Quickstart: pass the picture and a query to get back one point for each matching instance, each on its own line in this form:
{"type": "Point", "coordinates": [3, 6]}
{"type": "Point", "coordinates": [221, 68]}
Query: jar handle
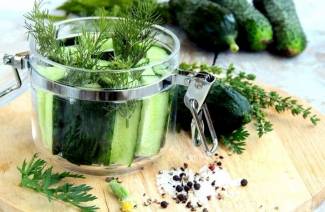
{"type": "Point", "coordinates": [199, 85]}
{"type": "Point", "coordinates": [17, 62]}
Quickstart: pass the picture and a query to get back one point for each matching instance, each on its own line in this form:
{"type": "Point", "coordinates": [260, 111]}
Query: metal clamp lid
{"type": "Point", "coordinates": [18, 61]}
{"type": "Point", "coordinates": [199, 85]}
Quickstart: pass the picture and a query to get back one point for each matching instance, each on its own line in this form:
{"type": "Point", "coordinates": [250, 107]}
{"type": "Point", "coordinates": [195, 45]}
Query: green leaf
{"type": "Point", "coordinates": [37, 176]}
{"type": "Point", "coordinates": [236, 141]}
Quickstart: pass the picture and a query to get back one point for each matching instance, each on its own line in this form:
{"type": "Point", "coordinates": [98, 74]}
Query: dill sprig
{"type": "Point", "coordinates": [40, 25]}
{"type": "Point", "coordinates": [36, 175]}
{"type": "Point", "coordinates": [133, 35]}
{"type": "Point", "coordinates": [259, 99]}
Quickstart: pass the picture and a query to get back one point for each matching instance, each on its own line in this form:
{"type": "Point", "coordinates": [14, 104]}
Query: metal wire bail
{"type": "Point", "coordinates": [199, 85]}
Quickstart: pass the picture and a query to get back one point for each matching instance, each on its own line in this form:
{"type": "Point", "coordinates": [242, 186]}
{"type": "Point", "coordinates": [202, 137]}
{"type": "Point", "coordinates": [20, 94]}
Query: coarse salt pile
{"type": "Point", "coordinates": [196, 189]}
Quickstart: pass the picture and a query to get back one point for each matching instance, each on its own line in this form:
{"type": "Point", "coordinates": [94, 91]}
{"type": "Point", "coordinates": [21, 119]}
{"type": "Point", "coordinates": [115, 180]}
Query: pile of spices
{"type": "Point", "coordinates": [195, 189]}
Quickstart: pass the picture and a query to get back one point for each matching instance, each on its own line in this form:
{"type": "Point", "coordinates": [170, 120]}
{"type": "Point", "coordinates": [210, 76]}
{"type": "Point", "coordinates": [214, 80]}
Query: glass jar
{"type": "Point", "coordinates": [110, 122]}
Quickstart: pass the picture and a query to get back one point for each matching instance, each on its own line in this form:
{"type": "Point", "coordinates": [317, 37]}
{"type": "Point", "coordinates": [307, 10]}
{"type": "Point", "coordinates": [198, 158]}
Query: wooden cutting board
{"type": "Point", "coordinates": [285, 169]}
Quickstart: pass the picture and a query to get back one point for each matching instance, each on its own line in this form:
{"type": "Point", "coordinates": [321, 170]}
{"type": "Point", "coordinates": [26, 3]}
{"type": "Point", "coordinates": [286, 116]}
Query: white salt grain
{"type": "Point", "coordinates": [208, 180]}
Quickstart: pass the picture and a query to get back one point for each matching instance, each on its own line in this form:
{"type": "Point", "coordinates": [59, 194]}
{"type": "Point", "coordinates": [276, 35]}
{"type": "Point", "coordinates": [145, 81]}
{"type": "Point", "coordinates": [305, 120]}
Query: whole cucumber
{"type": "Point", "coordinates": [290, 39]}
{"type": "Point", "coordinates": [208, 24]}
{"type": "Point", "coordinates": [255, 31]}
{"type": "Point", "coordinates": [229, 110]}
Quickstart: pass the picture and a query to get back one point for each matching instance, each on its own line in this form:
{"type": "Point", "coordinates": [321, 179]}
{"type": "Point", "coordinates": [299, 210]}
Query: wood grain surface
{"type": "Point", "coordinates": [285, 169]}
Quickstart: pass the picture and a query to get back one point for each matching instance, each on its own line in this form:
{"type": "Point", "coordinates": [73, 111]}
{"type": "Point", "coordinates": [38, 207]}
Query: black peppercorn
{"type": "Point", "coordinates": [243, 182]}
{"type": "Point", "coordinates": [176, 178]}
{"type": "Point", "coordinates": [182, 175]}
{"type": "Point", "coordinates": [205, 210]}
{"type": "Point", "coordinates": [109, 179]}
{"type": "Point", "coordinates": [186, 188]}
{"type": "Point", "coordinates": [189, 184]}
{"type": "Point", "coordinates": [197, 186]}
{"type": "Point", "coordinates": [164, 204]}
{"type": "Point", "coordinates": [189, 205]}
{"type": "Point", "coordinates": [179, 188]}
{"type": "Point", "coordinates": [181, 197]}
{"type": "Point", "coordinates": [219, 163]}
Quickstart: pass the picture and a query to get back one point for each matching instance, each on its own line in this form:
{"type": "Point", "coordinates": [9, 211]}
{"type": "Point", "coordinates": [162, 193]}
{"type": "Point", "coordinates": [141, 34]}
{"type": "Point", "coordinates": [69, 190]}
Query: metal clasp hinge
{"type": "Point", "coordinates": [199, 85]}
{"type": "Point", "coordinates": [18, 62]}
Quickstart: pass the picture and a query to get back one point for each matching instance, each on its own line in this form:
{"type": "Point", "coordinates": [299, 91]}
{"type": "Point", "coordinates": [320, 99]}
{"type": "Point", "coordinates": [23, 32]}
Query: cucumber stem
{"type": "Point", "coordinates": [230, 40]}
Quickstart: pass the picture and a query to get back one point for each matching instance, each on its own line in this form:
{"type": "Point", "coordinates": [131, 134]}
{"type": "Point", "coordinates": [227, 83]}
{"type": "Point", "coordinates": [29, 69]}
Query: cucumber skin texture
{"type": "Point", "coordinates": [289, 37]}
{"type": "Point", "coordinates": [124, 138]}
{"type": "Point", "coordinates": [44, 101]}
{"type": "Point", "coordinates": [154, 113]}
{"type": "Point", "coordinates": [44, 125]}
{"type": "Point", "coordinates": [228, 109]}
{"type": "Point", "coordinates": [208, 24]}
{"type": "Point", "coordinates": [80, 129]}
{"type": "Point", "coordinates": [255, 31]}
{"type": "Point", "coordinates": [153, 124]}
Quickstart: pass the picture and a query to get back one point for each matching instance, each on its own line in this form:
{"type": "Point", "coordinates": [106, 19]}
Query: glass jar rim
{"type": "Point", "coordinates": [174, 52]}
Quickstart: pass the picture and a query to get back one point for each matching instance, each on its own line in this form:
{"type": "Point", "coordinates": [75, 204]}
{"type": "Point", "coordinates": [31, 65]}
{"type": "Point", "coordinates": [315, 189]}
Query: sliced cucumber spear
{"type": "Point", "coordinates": [153, 123]}
{"type": "Point", "coordinates": [154, 114]}
{"type": "Point", "coordinates": [124, 138]}
{"type": "Point", "coordinates": [146, 128]}
{"type": "Point", "coordinates": [45, 105]}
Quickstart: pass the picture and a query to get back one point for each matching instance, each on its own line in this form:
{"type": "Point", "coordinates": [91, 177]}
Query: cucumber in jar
{"type": "Point", "coordinates": [143, 133]}
{"type": "Point", "coordinates": [86, 132]}
{"type": "Point", "coordinates": [155, 111]}
{"type": "Point", "coordinates": [124, 138]}
{"type": "Point", "coordinates": [80, 129]}
{"type": "Point", "coordinates": [44, 101]}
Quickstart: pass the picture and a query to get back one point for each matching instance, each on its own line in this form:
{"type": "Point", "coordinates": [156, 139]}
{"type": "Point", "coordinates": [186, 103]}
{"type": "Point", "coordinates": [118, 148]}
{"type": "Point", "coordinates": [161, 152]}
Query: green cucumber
{"type": "Point", "coordinates": [124, 138]}
{"type": "Point", "coordinates": [151, 75]}
{"type": "Point", "coordinates": [289, 36]}
{"type": "Point", "coordinates": [51, 73]}
{"type": "Point", "coordinates": [107, 45]}
{"type": "Point", "coordinates": [45, 105]}
{"type": "Point", "coordinates": [156, 54]}
{"type": "Point", "coordinates": [154, 116]}
{"type": "Point", "coordinates": [208, 24]}
{"type": "Point", "coordinates": [255, 30]}
{"type": "Point", "coordinates": [41, 99]}
{"type": "Point", "coordinates": [154, 112]}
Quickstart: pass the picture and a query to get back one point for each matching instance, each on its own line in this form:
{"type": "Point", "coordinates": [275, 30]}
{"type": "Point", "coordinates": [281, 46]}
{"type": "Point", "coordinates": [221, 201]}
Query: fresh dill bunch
{"type": "Point", "coordinates": [259, 99]}
{"type": "Point", "coordinates": [133, 35]}
{"type": "Point", "coordinates": [40, 25]}
{"type": "Point", "coordinates": [36, 175]}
